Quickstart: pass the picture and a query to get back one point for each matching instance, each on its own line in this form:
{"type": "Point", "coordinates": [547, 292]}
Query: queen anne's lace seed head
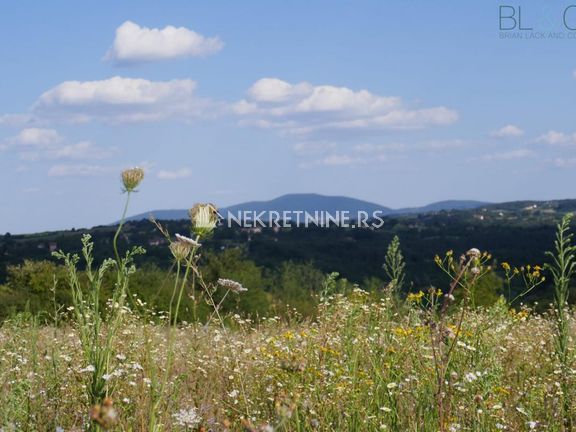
{"type": "Point", "coordinates": [187, 240]}
{"type": "Point", "coordinates": [474, 253]}
{"type": "Point", "coordinates": [131, 178]}
{"type": "Point", "coordinates": [187, 418]}
{"type": "Point", "coordinates": [231, 285]}
{"type": "Point", "coordinates": [180, 250]}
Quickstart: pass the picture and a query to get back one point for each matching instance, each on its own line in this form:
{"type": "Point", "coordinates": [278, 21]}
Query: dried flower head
{"type": "Point", "coordinates": [232, 285]}
{"type": "Point", "coordinates": [474, 253]}
{"type": "Point", "coordinates": [187, 240]}
{"type": "Point", "coordinates": [131, 178]}
{"type": "Point", "coordinates": [180, 250]}
{"type": "Point", "coordinates": [105, 415]}
{"type": "Point", "coordinates": [204, 218]}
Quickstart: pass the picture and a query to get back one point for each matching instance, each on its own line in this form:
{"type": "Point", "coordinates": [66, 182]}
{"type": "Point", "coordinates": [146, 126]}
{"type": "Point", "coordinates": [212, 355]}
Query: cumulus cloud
{"type": "Point", "coordinates": [555, 138]}
{"type": "Point", "coordinates": [508, 131]}
{"type": "Point", "coordinates": [175, 174]}
{"type": "Point", "coordinates": [119, 99]}
{"type": "Point", "coordinates": [303, 108]}
{"type": "Point", "coordinates": [135, 44]}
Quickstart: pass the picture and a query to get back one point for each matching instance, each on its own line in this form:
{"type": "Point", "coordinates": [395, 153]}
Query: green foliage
{"type": "Point", "coordinates": [562, 267]}
{"type": "Point", "coordinates": [487, 290]}
{"type": "Point", "coordinates": [29, 287]}
{"type": "Point", "coordinates": [87, 297]}
{"type": "Point", "coordinates": [394, 265]}
{"type": "Point", "coordinates": [233, 264]}
{"type": "Point", "coordinates": [298, 286]}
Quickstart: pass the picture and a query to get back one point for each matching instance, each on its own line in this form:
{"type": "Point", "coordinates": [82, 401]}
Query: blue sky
{"type": "Point", "coordinates": [397, 102]}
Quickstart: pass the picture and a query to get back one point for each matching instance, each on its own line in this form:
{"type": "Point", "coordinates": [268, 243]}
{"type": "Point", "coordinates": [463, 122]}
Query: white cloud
{"type": "Point", "coordinates": [303, 109]}
{"type": "Point", "coordinates": [83, 150]}
{"type": "Point", "coordinates": [37, 137]}
{"type": "Point", "coordinates": [508, 131]}
{"type": "Point", "coordinates": [555, 138]}
{"type": "Point", "coordinates": [119, 99]}
{"type": "Point", "coordinates": [33, 144]}
{"type": "Point", "coordinates": [275, 90]}
{"type": "Point", "coordinates": [79, 170]}
{"type": "Point", "coordinates": [174, 175]}
{"type": "Point", "coordinates": [508, 155]}
{"type": "Point", "coordinates": [135, 44]}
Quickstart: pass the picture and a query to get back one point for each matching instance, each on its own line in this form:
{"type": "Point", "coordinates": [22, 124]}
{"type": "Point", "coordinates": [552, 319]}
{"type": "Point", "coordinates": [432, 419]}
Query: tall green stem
{"type": "Point", "coordinates": [122, 220]}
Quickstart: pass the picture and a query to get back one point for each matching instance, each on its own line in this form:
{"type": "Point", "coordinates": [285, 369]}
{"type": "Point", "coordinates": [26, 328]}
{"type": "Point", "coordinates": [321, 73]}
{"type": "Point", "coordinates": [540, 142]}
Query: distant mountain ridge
{"type": "Point", "coordinates": [312, 202]}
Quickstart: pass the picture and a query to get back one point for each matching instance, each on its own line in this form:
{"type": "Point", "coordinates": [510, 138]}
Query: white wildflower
{"type": "Point", "coordinates": [187, 240]}
{"type": "Point", "coordinates": [187, 418]}
{"type": "Point", "coordinates": [231, 285]}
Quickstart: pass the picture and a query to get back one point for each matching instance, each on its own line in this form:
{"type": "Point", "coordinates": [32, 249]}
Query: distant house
{"type": "Point", "coordinates": [157, 241]}
{"type": "Point", "coordinates": [53, 246]}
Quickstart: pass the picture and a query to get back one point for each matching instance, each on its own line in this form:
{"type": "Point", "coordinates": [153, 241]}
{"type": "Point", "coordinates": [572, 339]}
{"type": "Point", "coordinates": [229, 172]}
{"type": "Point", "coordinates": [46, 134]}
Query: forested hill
{"type": "Point", "coordinates": [515, 232]}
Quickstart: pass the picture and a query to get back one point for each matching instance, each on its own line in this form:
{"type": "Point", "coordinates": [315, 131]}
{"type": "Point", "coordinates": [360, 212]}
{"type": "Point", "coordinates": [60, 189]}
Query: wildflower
{"type": "Point", "coordinates": [391, 385]}
{"type": "Point", "coordinates": [187, 240]}
{"type": "Point", "coordinates": [187, 418]}
{"type": "Point", "coordinates": [475, 271]}
{"type": "Point", "coordinates": [415, 297]}
{"type": "Point", "coordinates": [131, 178]}
{"type": "Point", "coordinates": [232, 285]}
{"type": "Point", "coordinates": [506, 266]}
{"type": "Point", "coordinates": [180, 250]}
{"type": "Point", "coordinates": [89, 368]}
{"type": "Point", "coordinates": [204, 218]}
{"type": "Point", "coordinates": [474, 253]}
